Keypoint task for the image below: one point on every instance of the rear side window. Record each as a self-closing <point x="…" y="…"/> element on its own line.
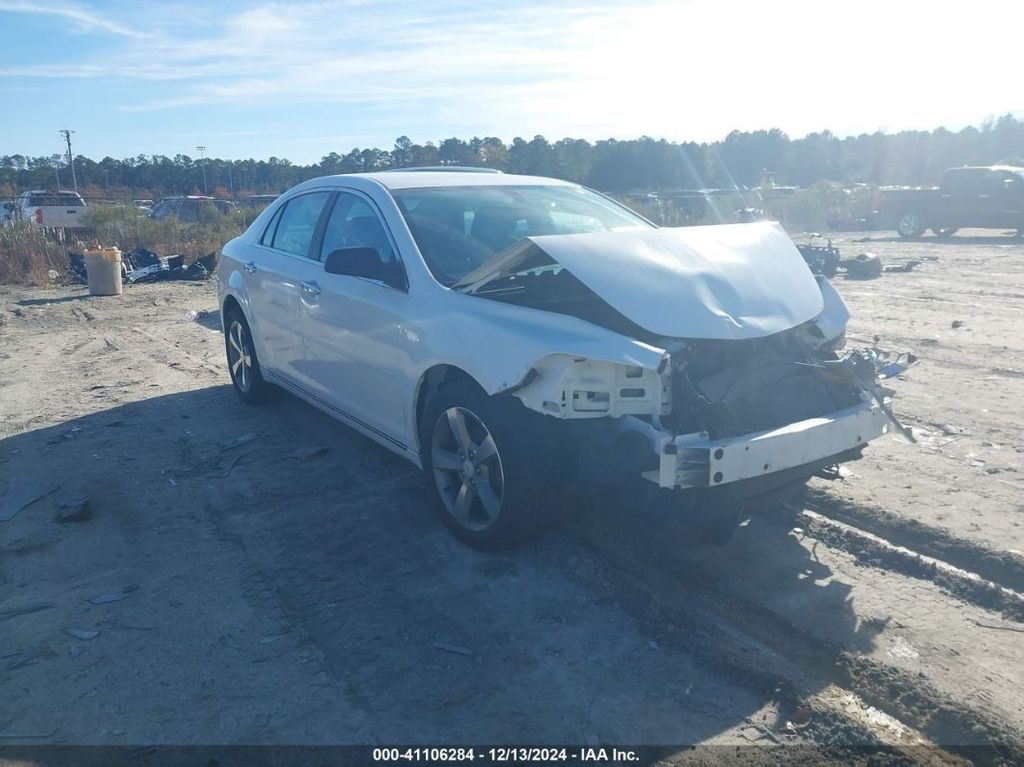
<point x="296" y="223"/>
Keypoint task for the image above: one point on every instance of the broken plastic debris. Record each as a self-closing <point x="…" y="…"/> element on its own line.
<point x="454" y="648"/>
<point x="84" y="634"/>
<point x="113" y="596"/>
<point x="305" y="453"/>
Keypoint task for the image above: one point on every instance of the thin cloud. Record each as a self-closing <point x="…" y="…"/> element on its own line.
<point x="82" y="18"/>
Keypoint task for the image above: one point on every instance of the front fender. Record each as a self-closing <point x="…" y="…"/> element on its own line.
<point x="498" y="344"/>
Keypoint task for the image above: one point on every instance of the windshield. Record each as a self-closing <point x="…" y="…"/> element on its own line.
<point x="458" y="229"/>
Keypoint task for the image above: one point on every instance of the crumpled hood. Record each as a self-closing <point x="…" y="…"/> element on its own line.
<point x="726" y="282"/>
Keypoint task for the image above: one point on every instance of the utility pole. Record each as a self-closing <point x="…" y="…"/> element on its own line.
<point x="71" y="159"/>
<point x="202" y="163"/>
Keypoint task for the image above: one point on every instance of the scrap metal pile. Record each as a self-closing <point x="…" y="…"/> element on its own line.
<point x="826" y="261"/>
<point x="141" y="265"/>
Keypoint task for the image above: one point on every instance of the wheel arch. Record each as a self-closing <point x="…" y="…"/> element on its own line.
<point x="432" y="381"/>
<point x="230" y="304"/>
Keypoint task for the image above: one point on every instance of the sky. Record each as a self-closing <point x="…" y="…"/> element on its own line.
<point x="301" y="79"/>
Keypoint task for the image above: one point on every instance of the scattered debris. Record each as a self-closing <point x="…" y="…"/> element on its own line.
<point x="74" y="510"/>
<point x="306" y="453"/>
<point x="906" y="266"/>
<point x="21" y="498"/>
<point x="225" y="469"/>
<point x="797" y="720"/>
<point x="113" y="596"/>
<point x="863" y="266"/>
<point x="84" y="634"/>
<point x="35" y="607"/>
<point x="453" y="648"/>
<point x="822" y="259"/>
<point x="228" y="444"/>
<point x="141" y="265"/>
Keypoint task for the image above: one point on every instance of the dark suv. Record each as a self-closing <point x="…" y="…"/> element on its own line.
<point x="189" y="208"/>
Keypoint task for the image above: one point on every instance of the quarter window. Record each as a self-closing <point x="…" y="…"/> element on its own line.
<point x="298" y="222"/>
<point x="268" y="235"/>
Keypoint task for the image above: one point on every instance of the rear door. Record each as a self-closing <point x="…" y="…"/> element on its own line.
<point x="356" y="340"/>
<point x="278" y="264"/>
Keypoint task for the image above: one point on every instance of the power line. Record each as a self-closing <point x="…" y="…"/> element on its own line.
<point x="66" y="133"/>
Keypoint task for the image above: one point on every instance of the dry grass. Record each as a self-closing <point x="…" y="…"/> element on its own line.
<point x="28" y="254"/>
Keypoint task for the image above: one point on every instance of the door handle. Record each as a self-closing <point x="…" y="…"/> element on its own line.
<point x="250" y="266"/>
<point x="310" y="288"/>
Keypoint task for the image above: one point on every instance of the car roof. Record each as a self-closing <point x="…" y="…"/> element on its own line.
<point x="399" y="179"/>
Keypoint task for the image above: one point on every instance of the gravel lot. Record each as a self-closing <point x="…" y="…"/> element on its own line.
<point x="243" y="595"/>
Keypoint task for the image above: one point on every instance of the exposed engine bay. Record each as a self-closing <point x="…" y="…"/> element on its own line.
<point x="717" y="410"/>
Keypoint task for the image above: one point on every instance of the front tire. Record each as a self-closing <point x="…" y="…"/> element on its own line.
<point x="244" y="367"/>
<point x="487" y="483"/>
<point x="910" y="225"/>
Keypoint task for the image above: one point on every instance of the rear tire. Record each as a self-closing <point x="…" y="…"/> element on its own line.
<point x="910" y="225"/>
<point x="244" y="367"/>
<point x="488" y="482"/>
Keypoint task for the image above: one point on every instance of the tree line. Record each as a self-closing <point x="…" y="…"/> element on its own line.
<point x="618" y="167"/>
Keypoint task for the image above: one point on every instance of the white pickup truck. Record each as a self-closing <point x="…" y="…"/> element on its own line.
<point x="46" y="208"/>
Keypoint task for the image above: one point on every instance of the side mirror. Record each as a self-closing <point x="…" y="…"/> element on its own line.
<point x="365" y="262"/>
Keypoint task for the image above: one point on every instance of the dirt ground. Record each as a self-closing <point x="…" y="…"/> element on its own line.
<point x="242" y="594"/>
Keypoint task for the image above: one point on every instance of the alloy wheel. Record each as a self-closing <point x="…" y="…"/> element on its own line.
<point x="240" y="356"/>
<point x="467" y="468"/>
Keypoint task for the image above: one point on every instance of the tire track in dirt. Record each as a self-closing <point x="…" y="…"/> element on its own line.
<point x="1000" y="567"/>
<point x="655" y="579"/>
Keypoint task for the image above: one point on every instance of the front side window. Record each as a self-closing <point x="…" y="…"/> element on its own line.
<point x="298" y="222"/>
<point x="353" y="223"/>
<point x="457" y="229"/>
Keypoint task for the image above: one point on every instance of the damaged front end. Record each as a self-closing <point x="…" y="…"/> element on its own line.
<point x="753" y="390"/>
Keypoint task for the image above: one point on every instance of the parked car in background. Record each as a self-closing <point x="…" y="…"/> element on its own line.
<point x="189" y="208"/>
<point x="987" y="197"/>
<point x="509" y="334"/>
<point x="47" y="208"/>
<point x="259" y="201"/>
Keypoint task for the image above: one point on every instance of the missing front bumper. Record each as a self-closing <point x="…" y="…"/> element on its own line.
<point x="693" y="460"/>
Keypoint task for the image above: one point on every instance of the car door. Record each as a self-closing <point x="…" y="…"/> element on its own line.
<point x="355" y="333"/>
<point x="278" y="265"/>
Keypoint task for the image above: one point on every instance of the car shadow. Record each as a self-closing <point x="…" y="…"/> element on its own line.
<point x="60" y="300"/>
<point x="437" y="642"/>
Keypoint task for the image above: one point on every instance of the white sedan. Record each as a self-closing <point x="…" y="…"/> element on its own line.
<point x="506" y="333"/>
